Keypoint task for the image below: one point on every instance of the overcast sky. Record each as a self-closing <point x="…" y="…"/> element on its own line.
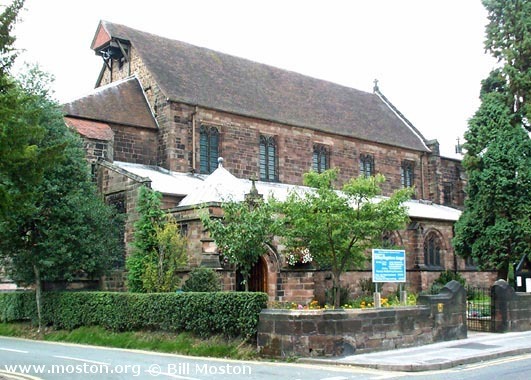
<point x="428" y="55"/>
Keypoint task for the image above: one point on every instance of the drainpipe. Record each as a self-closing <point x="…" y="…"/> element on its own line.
<point x="453" y="249"/>
<point x="193" y="140"/>
<point x="422" y="175"/>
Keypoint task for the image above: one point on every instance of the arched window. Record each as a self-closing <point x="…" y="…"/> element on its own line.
<point x="432" y="251"/>
<point x="208" y="149"/>
<point x="407" y="173"/>
<point x="268" y="159"/>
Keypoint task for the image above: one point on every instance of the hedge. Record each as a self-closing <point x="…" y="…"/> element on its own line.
<point x="228" y="313"/>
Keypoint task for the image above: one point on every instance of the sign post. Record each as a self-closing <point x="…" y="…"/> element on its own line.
<point x="388" y="265"/>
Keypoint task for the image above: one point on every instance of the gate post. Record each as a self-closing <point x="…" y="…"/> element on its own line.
<point x="501" y="294"/>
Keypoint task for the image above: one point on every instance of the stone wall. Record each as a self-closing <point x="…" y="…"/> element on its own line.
<point x="98" y="149"/>
<point x="453" y="177"/>
<point x="239" y="147"/>
<point x="136" y="145"/>
<point x="118" y="185"/>
<point x="303" y="284"/>
<point x="165" y="145"/>
<point x="288" y="333"/>
<point x="512" y="311"/>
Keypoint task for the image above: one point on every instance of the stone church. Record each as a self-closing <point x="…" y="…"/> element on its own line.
<point x="164" y="112"/>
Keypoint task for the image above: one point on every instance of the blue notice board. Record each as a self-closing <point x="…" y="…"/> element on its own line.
<point x="388" y="265"/>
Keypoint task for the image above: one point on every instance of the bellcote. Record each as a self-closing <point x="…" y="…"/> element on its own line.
<point x="110" y="48"/>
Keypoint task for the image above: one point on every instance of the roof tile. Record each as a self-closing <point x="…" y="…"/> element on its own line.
<point x="199" y="76"/>
<point x="91" y="129"/>
<point x="120" y="102"/>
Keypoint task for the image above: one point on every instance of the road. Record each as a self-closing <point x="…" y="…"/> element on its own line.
<point x="46" y="360"/>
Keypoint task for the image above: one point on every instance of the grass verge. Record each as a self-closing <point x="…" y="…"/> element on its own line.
<point x="183" y="343"/>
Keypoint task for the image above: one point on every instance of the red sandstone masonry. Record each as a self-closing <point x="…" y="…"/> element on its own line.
<point x="172" y="147"/>
<point x="287" y="333"/>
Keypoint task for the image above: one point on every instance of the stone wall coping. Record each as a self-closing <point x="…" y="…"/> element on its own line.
<point x="308" y="312"/>
<point x="117" y="169"/>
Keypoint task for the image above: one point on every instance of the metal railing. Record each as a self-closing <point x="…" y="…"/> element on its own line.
<point x="480" y="309"/>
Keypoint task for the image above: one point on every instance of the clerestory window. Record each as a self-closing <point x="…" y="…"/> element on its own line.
<point x="268" y="159"/>
<point x="320" y="161"/>
<point x="366" y="165"/>
<point x="208" y="149"/>
<point x="407" y="174"/>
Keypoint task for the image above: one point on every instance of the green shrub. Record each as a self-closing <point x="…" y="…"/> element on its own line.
<point x="448" y="275"/>
<point x="444" y="278"/>
<point x="202" y="280"/>
<point x="16" y="306"/>
<point x="344" y="295"/>
<point x="366" y="286"/>
<point x="203" y="314"/>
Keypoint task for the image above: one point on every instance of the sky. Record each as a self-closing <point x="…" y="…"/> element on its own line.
<point x="428" y="55"/>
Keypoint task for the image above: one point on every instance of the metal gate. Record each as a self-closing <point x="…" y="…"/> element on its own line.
<point x="480" y="309"/>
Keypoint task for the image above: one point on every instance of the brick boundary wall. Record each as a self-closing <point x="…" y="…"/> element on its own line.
<point x="305" y="333"/>
<point x="512" y="310"/>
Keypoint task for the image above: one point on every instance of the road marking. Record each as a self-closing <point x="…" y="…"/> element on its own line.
<point x="81" y="360"/>
<point x="157" y="373"/>
<point x="19" y="376"/>
<point x="12" y="350"/>
<point x="496" y="361"/>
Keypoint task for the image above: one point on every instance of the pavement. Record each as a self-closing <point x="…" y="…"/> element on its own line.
<point x="477" y="347"/>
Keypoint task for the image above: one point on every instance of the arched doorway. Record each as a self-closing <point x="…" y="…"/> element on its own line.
<point x="257" y="279"/>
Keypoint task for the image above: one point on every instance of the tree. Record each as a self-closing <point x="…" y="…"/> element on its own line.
<point x="22" y="163"/>
<point x="339" y="227"/>
<point x="169" y="256"/>
<point x="495" y="226"/>
<point x="8" y="19"/>
<point x="243" y="234"/>
<point x="159" y="249"/>
<point x="509" y="40"/>
<point x="61" y="229"/>
<point x="144" y="238"/>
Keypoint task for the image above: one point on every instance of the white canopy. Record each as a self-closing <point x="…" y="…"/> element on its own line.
<point x="222" y="186"/>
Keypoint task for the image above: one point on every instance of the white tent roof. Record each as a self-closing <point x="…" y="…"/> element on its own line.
<point x="164" y="181"/>
<point x="222" y="186"/>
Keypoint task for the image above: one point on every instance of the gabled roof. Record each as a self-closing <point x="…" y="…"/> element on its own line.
<point x="122" y="102"/>
<point x="92" y="129"/>
<point x="199" y="76"/>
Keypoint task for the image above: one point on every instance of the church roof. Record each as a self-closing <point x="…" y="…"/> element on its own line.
<point x="221" y="186"/>
<point x="162" y="180"/>
<point x="122" y="102"/>
<point x="92" y="129"/>
<point x="200" y="76"/>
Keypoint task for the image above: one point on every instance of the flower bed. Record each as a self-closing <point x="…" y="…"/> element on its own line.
<point x="364" y="302"/>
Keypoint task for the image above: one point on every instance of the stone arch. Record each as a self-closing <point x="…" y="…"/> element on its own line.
<point x="392" y="239"/>
<point x="264" y="274"/>
<point x="274" y="263"/>
<point x="434" y="249"/>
